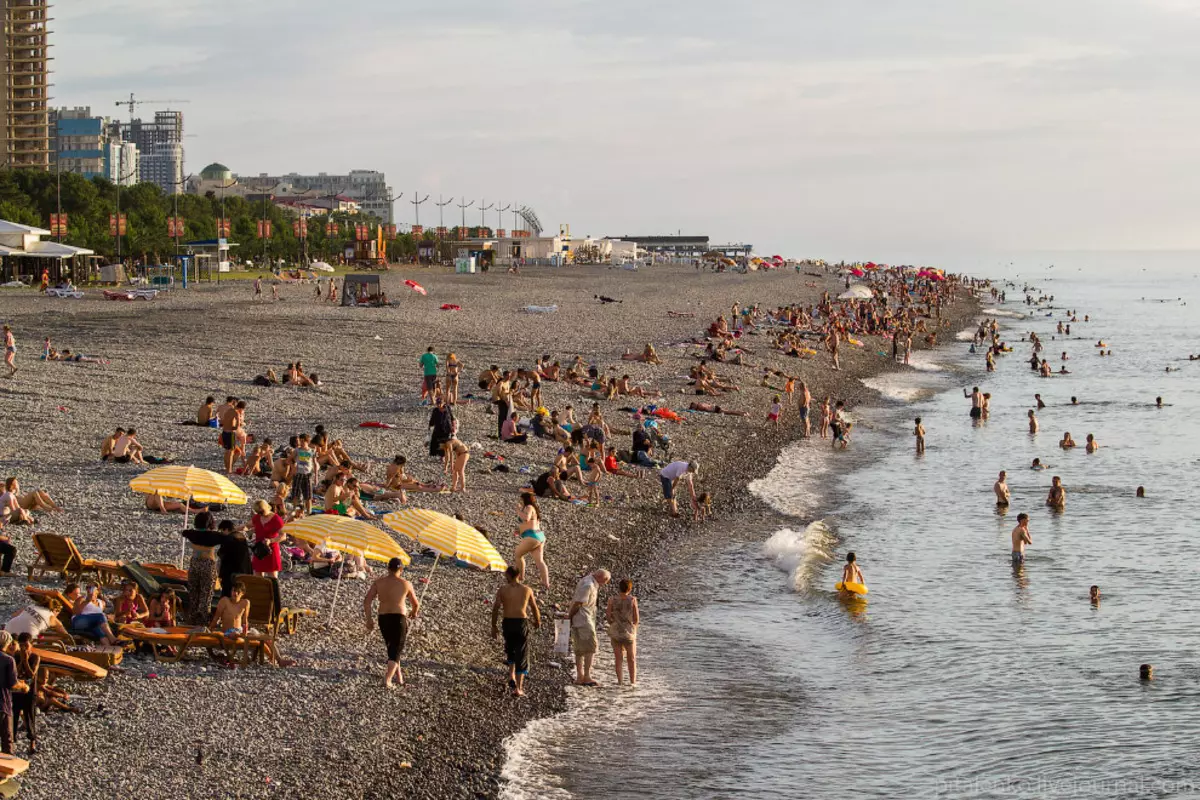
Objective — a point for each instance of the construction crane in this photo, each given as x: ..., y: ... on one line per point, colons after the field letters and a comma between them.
x: 132, y: 103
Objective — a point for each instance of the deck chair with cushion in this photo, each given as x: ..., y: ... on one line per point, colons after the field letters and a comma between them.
x: 149, y: 585
x: 58, y: 554
x: 267, y: 611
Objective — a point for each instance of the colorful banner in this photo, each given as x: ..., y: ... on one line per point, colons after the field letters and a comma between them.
x: 116, y: 228
x: 441, y: 232
x: 331, y: 228
x: 264, y: 229
x: 500, y: 233
x: 300, y: 229
x: 58, y: 224
x: 417, y: 230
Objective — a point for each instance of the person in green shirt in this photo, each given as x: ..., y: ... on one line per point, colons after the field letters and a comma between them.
x: 429, y: 366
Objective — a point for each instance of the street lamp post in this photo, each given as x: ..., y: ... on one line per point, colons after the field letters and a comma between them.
x: 464, y: 207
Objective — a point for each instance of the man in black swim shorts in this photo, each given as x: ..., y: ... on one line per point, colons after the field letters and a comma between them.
x: 395, y: 595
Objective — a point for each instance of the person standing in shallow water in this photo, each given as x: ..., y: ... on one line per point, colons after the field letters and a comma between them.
x: 623, y: 618
x: 1020, y: 538
x: 1001, y: 489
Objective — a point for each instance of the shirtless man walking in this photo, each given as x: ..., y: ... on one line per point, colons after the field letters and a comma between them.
x: 517, y: 602
x: 394, y: 594
x: 1001, y: 490
x: 230, y: 421
x: 1020, y: 538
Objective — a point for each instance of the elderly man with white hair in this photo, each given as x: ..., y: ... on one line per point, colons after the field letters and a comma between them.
x: 583, y: 624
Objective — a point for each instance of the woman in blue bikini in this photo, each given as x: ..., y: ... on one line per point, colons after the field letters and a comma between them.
x: 532, y: 540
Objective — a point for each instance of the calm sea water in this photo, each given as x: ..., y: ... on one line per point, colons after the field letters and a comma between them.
x: 957, y: 678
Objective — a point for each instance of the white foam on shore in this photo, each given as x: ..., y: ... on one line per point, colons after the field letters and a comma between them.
x: 1002, y: 312
x: 793, y: 486
x: 923, y: 362
x: 801, y: 553
x: 967, y: 334
x: 894, y: 388
x: 535, y: 755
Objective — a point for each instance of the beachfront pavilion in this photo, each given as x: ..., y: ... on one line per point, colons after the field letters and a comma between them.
x: 24, y: 255
x: 669, y: 246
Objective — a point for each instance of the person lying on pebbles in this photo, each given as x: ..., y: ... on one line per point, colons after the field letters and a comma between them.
x: 648, y: 356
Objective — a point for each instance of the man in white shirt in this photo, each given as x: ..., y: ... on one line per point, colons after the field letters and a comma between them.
x: 583, y: 624
x: 36, y: 620
x: 671, y: 474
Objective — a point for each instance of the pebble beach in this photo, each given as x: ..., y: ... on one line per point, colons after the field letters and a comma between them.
x: 325, y: 727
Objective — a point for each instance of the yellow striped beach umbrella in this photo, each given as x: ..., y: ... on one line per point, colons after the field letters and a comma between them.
x: 348, y: 535
x: 190, y: 484
x: 447, y: 536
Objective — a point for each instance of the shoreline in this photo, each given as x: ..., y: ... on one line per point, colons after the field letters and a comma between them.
x: 450, y: 724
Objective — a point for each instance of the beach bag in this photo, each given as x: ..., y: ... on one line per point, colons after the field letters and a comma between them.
x: 562, y: 636
x: 261, y: 550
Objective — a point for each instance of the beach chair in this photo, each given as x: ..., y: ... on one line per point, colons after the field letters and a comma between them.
x: 58, y: 554
x: 267, y: 610
x: 170, y: 645
x: 149, y: 585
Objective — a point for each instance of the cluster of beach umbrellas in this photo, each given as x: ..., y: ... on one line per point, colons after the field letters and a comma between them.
x: 446, y: 536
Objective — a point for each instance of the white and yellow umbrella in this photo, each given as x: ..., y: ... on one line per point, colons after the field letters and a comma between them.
x: 347, y: 535
x: 447, y: 536
x: 188, y: 484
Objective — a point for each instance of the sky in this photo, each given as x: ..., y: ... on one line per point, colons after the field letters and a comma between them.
x: 872, y: 129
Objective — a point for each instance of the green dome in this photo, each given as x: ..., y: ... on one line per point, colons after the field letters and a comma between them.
x: 216, y: 172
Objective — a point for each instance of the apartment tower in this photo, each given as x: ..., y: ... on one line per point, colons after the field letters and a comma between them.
x: 26, y: 50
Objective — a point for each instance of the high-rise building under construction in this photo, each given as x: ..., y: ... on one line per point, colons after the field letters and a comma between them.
x: 25, y: 127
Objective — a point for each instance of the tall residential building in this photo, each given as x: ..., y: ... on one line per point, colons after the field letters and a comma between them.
x: 160, y: 149
x: 367, y: 187
x: 25, y: 128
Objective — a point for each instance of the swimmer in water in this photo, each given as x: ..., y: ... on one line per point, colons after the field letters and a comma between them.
x: 1066, y: 443
x: 919, y: 432
x: 1094, y: 595
x: 1146, y: 672
x: 1158, y: 402
x: 1040, y: 403
x: 1000, y: 487
x: 1033, y: 422
x: 1092, y: 444
x: 1057, y: 499
x: 1074, y: 401
x: 851, y: 573
x: 1020, y: 538
x: 1064, y: 371
x: 1037, y: 464
x: 1065, y: 357
x: 1141, y: 492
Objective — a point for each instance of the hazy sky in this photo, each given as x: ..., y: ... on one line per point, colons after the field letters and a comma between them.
x: 879, y: 129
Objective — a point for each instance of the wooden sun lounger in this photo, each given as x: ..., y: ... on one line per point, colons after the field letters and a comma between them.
x: 64, y: 665
x: 169, y: 645
x: 58, y: 554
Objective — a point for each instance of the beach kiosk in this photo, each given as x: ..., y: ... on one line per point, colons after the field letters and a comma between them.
x: 362, y: 290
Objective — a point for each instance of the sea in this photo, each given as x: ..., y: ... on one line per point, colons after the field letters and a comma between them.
x: 956, y: 676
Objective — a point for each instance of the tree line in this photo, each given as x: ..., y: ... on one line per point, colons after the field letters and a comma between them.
x: 29, y: 197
